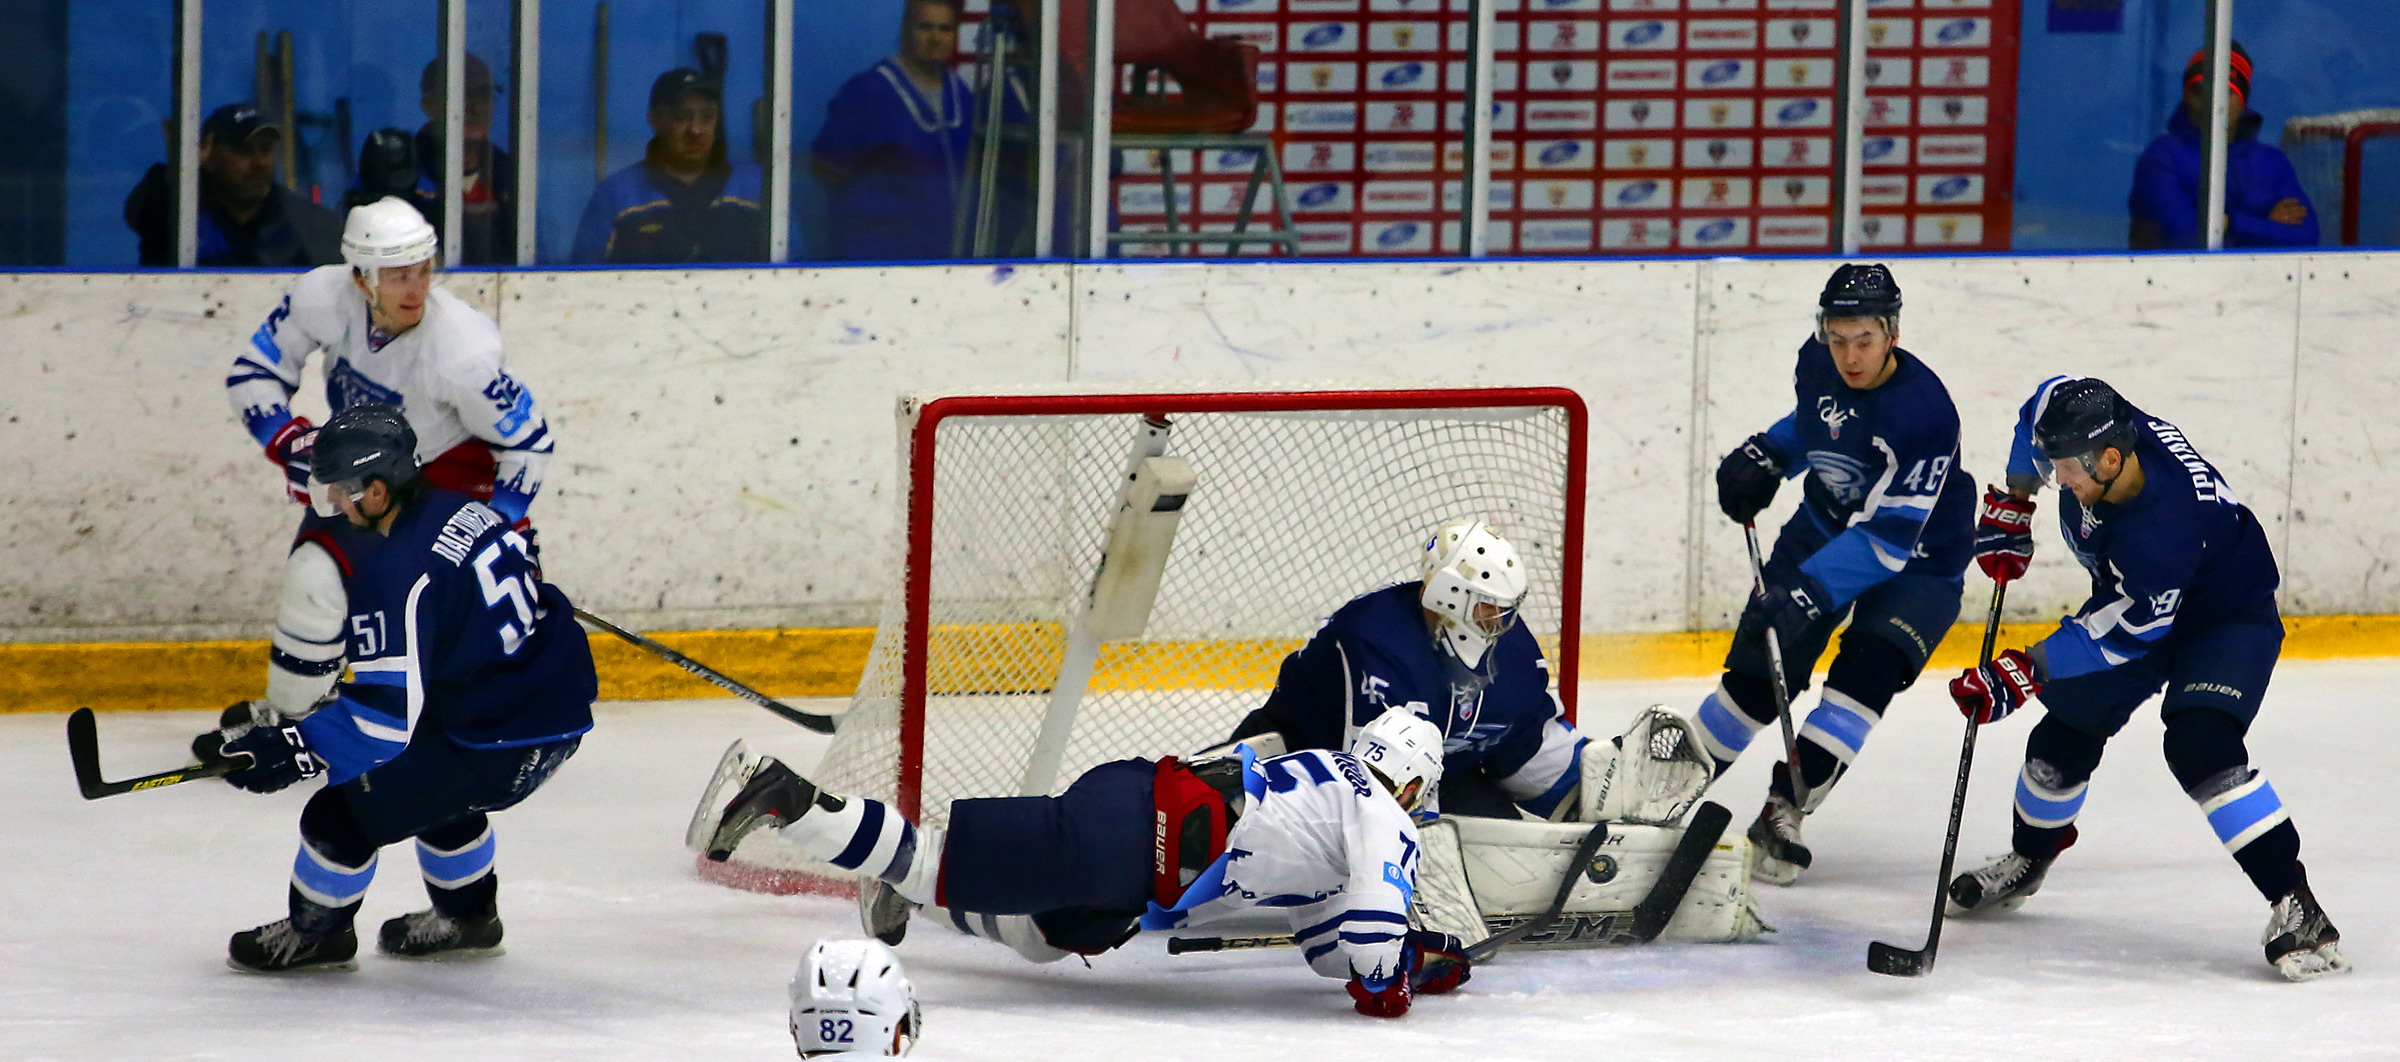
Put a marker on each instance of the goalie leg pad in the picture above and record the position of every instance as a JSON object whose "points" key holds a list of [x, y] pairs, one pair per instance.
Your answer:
{"points": [[1514, 869], [1444, 901], [1651, 774]]}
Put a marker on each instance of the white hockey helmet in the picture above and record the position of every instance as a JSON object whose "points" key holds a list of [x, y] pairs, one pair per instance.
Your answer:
{"points": [[386, 233], [1405, 750], [851, 996], [1473, 584]]}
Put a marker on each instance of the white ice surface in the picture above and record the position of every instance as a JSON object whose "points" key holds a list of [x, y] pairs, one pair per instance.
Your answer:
{"points": [[2143, 945]]}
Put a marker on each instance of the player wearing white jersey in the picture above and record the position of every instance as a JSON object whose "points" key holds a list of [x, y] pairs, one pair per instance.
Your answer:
{"points": [[390, 336], [1140, 844]]}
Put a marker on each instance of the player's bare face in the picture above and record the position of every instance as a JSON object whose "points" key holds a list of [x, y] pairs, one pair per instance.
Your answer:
{"points": [[930, 38], [367, 509], [400, 294], [2076, 480], [1862, 351]]}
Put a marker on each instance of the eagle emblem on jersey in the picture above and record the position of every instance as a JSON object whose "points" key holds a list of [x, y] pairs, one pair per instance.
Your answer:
{"points": [[345, 386], [1844, 477]]}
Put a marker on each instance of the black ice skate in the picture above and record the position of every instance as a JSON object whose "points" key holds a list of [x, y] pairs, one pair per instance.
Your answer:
{"points": [[430, 934], [277, 947], [2001, 886], [2301, 942], [773, 797], [1777, 856], [883, 911]]}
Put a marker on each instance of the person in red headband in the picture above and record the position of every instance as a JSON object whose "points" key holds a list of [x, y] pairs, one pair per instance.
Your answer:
{"points": [[2264, 203]]}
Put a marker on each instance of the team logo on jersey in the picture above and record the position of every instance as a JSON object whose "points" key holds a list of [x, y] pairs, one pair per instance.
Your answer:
{"points": [[1832, 413], [1844, 477], [347, 387], [1463, 702]]}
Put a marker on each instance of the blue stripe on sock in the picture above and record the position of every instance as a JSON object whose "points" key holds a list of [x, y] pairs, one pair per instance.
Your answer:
{"points": [[1725, 724], [959, 918], [862, 843], [2232, 819], [2045, 811], [458, 868], [1841, 723], [330, 887], [903, 857]]}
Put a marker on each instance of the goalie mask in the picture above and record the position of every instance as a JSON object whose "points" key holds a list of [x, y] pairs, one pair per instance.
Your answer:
{"points": [[1473, 584], [1404, 749], [850, 996]]}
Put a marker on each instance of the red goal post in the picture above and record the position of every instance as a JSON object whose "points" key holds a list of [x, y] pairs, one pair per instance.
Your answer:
{"points": [[1304, 499]]}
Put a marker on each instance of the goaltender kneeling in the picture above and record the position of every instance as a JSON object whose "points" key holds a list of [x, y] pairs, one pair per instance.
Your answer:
{"points": [[1141, 844]]}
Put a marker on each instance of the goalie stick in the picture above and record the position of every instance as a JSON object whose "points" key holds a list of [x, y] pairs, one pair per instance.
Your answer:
{"points": [[1892, 960], [1648, 919], [822, 724], [83, 747]]}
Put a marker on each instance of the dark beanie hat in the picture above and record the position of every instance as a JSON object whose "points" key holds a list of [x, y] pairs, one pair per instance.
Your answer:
{"points": [[2237, 70]]}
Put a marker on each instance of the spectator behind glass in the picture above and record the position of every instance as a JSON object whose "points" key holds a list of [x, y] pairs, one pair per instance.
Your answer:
{"points": [[892, 155], [387, 166], [245, 218], [683, 202], [2264, 204], [489, 210]]}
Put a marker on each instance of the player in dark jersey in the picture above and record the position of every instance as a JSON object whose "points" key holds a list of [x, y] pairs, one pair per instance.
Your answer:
{"points": [[2183, 597], [1882, 536], [470, 683]]}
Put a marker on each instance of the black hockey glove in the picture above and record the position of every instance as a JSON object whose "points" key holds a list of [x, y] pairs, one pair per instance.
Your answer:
{"points": [[1789, 605], [280, 756], [1747, 478]]}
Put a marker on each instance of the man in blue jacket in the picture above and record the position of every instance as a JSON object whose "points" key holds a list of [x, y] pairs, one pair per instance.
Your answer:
{"points": [[2264, 203], [683, 202]]}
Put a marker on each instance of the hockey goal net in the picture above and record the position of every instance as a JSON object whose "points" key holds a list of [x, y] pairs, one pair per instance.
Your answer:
{"points": [[1299, 501], [2349, 163]]}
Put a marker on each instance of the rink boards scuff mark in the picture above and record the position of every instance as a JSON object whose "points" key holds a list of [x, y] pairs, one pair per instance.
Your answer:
{"points": [[119, 676]]}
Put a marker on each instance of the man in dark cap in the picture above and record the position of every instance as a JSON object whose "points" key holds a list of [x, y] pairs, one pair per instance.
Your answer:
{"points": [[490, 181], [684, 202], [245, 219], [2264, 204]]}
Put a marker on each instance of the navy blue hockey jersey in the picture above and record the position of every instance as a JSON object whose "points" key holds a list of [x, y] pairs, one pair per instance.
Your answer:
{"points": [[1883, 484], [450, 632], [2181, 556], [1376, 652]]}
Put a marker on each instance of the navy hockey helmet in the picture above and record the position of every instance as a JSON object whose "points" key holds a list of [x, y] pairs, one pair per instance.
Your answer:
{"points": [[364, 442], [2080, 418], [1859, 291]]}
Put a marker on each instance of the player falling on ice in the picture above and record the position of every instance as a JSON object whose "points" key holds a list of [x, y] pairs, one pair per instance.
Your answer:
{"points": [[470, 683], [2183, 597], [1140, 844], [1448, 647], [1882, 535], [390, 335]]}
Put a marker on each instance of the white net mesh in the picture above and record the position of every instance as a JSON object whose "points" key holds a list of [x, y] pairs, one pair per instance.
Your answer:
{"points": [[1294, 514], [2317, 146]]}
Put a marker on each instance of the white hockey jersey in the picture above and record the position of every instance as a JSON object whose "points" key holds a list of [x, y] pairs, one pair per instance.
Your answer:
{"points": [[446, 374], [1317, 836]]}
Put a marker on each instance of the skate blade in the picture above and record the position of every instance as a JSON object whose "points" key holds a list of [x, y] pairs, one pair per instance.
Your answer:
{"points": [[450, 955], [344, 966], [2322, 961]]}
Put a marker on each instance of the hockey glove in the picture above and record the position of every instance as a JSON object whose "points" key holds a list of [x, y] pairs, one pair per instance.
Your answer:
{"points": [[1988, 693], [1790, 608], [2004, 535], [289, 449], [1389, 1001], [280, 756], [237, 719], [1747, 478], [1442, 962]]}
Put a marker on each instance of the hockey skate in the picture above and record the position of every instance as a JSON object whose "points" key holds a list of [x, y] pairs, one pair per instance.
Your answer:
{"points": [[773, 797], [1778, 855], [2301, 942], [2002, 885], [883, 912], [430, 934], [279, 947]]}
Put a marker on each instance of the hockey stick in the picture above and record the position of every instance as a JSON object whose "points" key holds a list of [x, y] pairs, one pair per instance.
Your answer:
{"points": [[1901, 962], [83, 747], [1783, 693], [822, 724], [1648, 918]]}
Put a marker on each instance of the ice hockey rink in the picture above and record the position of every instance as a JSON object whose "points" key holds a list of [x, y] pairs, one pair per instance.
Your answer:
{"points": [[2143, 944]]}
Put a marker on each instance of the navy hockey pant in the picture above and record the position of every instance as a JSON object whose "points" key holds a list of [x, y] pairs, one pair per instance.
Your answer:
{"points": [[1081, 861]]}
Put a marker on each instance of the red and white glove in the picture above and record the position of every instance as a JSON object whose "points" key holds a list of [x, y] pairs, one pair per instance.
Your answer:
{"points": [[2004, 535], [289, 450], [1988, 693], [1442, 962]]}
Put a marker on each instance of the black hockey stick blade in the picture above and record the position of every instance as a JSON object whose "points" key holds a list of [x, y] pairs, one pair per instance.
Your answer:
{"points": [[822, 724], [1892, 960], [1700, 836], [1581, 861], [1192, 945], [83, 747]]}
